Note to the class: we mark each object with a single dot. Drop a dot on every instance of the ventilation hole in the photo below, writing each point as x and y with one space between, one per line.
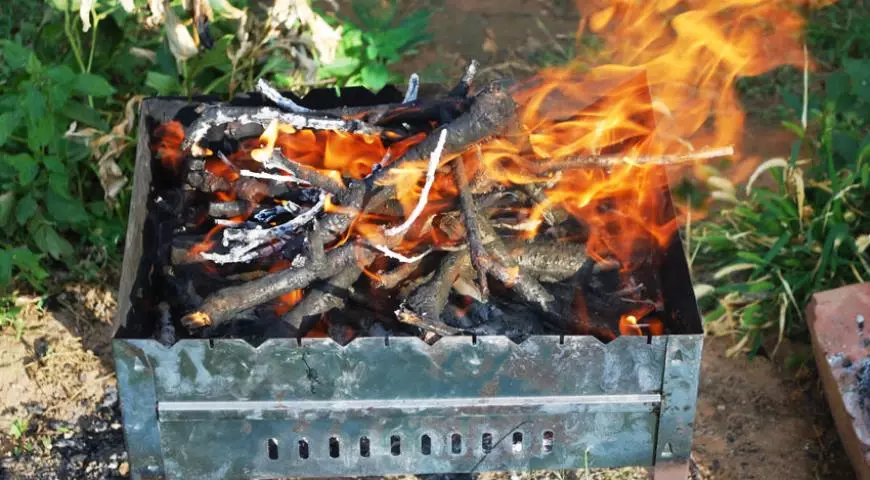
425 445
547 444
272 447
649 339
677 357
333 447
364 447
298 341
303 449
386 341
561 339
518 442
210 343
456 443
395 445
486 442
474 339
667 450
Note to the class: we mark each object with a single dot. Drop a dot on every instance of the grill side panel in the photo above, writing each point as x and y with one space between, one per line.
226 408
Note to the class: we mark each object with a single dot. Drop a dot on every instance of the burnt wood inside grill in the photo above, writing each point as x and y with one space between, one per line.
244 240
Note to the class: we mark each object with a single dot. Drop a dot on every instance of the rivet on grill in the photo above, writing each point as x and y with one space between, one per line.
303 449
364 447
518 442
486 442
426 445
548 441
272 447
333 447
395 445
456 443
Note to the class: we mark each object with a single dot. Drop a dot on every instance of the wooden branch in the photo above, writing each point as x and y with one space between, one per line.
224 304
323 297
304 173
215 115
472 231
610 161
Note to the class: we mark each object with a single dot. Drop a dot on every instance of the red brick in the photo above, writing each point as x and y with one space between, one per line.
841 347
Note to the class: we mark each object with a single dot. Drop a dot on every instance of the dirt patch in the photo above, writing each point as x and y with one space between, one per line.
59 414
756 420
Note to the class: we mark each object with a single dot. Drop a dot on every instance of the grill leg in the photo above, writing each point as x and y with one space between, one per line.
670 471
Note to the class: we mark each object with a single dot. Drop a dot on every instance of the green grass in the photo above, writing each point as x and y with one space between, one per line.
770 247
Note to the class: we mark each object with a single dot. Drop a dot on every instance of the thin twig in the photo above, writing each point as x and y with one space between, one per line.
413 88
398 256
607 161
306 174
434 160
281 101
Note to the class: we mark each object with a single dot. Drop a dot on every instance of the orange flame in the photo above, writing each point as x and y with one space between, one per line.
667 89
288 301
167 145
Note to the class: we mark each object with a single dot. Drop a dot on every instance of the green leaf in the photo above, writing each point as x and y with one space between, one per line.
16 55
59 184
28 262
5 267
68 211
40 124
341 67
372 51
79 112
53 164
26 166
50 242
164 84
8 123
92 85
836 85
375 76
25 209
859 74
7 203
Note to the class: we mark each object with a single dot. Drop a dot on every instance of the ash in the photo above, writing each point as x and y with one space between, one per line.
91 447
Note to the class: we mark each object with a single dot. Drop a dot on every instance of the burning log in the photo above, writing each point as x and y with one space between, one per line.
323 297
423 308
224 304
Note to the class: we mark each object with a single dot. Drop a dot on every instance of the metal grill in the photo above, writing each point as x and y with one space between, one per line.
223 409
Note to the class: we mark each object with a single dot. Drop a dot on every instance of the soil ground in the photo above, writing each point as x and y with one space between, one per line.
755 420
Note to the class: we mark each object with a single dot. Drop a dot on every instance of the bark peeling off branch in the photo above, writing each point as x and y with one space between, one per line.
215 115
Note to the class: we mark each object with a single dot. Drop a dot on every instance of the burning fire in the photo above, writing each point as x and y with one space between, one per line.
662 87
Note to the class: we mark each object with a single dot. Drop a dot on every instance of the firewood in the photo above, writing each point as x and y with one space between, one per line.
323 296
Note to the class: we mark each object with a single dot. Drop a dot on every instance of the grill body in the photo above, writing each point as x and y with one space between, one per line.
223 409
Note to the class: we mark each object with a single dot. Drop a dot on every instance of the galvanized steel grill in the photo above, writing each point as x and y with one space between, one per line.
206 409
